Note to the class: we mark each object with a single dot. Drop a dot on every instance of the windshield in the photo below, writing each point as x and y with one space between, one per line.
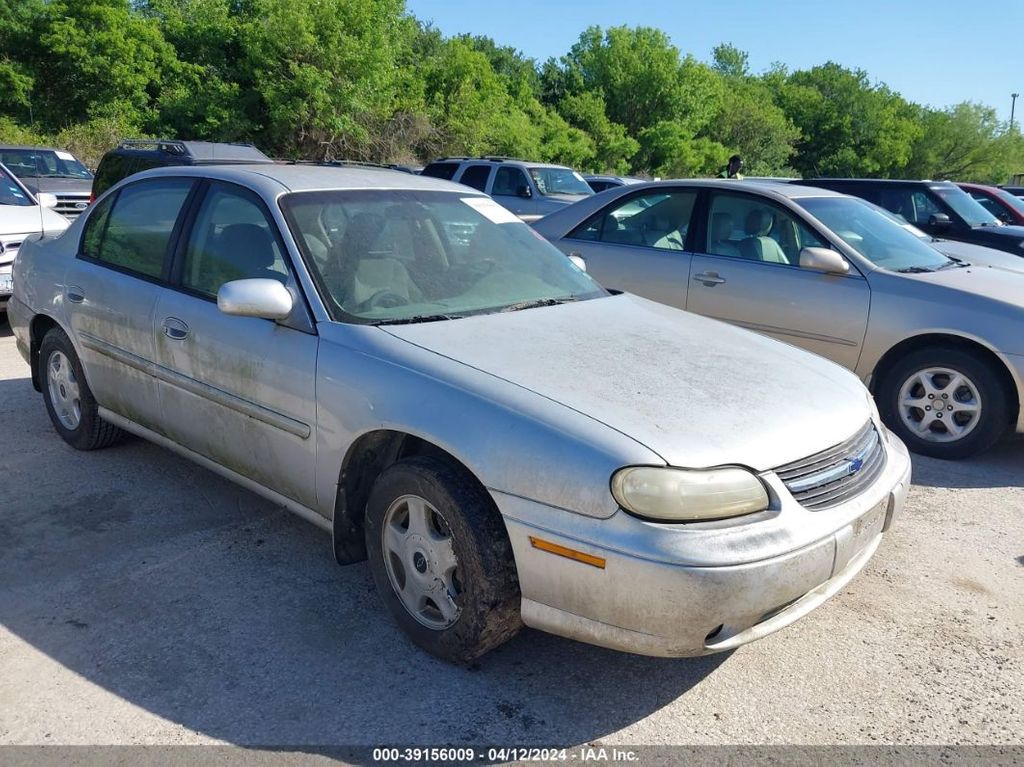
560 181
876 236
416 256
969 209
1010 200
46 163
11 192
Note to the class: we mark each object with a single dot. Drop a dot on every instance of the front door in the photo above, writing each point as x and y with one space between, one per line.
240 390
511 188
749 274
111 289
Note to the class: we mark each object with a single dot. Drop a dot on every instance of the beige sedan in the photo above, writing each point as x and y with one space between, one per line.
939 341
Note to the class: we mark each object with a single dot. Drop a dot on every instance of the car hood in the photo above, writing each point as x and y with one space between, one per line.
565 199
25 219
994 283
695 391
58 185
979 255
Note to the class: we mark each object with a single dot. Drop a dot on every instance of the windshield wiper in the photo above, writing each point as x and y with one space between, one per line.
419 318
538 303
915 270
953 263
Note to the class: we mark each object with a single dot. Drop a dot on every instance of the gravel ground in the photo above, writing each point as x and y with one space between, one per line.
144 600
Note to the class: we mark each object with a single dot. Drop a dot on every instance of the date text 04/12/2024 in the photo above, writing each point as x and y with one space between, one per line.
504 754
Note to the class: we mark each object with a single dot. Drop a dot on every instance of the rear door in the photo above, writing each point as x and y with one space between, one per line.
240 390
638 243
111 289
749 274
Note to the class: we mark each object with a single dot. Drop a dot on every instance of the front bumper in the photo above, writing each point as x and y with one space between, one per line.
681 590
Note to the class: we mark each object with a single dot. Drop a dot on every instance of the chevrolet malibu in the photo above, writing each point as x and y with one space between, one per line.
403 362
939 340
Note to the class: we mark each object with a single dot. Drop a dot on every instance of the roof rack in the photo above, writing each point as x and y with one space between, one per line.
175 146
489 158
345 164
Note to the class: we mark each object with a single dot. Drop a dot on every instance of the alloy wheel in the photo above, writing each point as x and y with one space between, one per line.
64 392
940 404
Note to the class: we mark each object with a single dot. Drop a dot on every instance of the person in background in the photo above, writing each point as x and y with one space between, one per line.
732 170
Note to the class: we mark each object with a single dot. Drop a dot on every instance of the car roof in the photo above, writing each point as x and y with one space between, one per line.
30 147
877 181
781 188
983 187
195 151
276 178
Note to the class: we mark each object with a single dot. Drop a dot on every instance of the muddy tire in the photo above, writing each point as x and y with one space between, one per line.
944 402
69 402
441 559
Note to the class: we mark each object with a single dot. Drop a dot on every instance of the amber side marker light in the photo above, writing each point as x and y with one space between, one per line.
562 551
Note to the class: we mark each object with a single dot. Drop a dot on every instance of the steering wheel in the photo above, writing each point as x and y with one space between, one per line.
385 299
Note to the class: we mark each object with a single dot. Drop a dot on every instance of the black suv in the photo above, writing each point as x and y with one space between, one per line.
940 208
136 155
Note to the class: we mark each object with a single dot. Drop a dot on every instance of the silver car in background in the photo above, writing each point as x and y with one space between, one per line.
940 342
403 362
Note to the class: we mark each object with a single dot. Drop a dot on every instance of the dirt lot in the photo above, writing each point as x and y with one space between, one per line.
145 600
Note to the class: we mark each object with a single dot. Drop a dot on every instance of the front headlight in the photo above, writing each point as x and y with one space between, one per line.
680 495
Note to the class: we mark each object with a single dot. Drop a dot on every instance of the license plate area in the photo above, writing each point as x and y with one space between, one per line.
853 538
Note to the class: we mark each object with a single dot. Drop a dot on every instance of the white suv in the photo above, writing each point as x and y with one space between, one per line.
531 190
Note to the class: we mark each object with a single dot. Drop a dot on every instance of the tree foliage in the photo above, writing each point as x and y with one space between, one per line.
364 79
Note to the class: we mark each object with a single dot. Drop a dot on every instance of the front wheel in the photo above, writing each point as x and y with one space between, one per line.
69 401
944 402
441 559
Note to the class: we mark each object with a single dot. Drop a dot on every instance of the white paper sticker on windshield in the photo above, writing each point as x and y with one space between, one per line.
64 155
491 210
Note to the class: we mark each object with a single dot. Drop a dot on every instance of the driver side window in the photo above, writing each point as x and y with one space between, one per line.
232 239
754 229
508 181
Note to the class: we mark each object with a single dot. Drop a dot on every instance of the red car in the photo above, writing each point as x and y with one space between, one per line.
998 202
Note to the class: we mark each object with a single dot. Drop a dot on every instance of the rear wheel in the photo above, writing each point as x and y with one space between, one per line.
944 402
441 559
69 402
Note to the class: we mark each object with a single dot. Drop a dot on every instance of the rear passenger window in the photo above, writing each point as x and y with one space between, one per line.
476 176
660 220
134 235
445 170
232 239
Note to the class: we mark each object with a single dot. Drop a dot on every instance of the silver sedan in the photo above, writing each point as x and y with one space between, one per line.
939 340
403 362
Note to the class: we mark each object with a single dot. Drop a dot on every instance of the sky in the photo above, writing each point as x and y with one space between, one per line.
934 52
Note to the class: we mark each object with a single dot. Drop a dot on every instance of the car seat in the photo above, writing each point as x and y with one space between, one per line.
363 273
758 246
721 236
246 251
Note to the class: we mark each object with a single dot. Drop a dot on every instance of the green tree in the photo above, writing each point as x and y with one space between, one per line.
848 126
730 61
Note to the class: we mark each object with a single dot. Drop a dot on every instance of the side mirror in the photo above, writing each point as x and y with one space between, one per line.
939 221
524 191
46 200
824 260
267 299
577 258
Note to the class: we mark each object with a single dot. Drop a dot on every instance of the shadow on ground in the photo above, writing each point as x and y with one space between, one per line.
1002 466
204 605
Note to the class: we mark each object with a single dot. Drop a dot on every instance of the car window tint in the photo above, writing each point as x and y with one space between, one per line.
232 239
139 227
754 229
95 227
445 170
990 205
657 220
508 180
476 176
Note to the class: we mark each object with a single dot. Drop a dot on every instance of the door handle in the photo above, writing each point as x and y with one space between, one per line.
175 329
75 294
709 279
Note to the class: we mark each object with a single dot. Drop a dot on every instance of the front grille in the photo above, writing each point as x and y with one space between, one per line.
68 205
835 475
